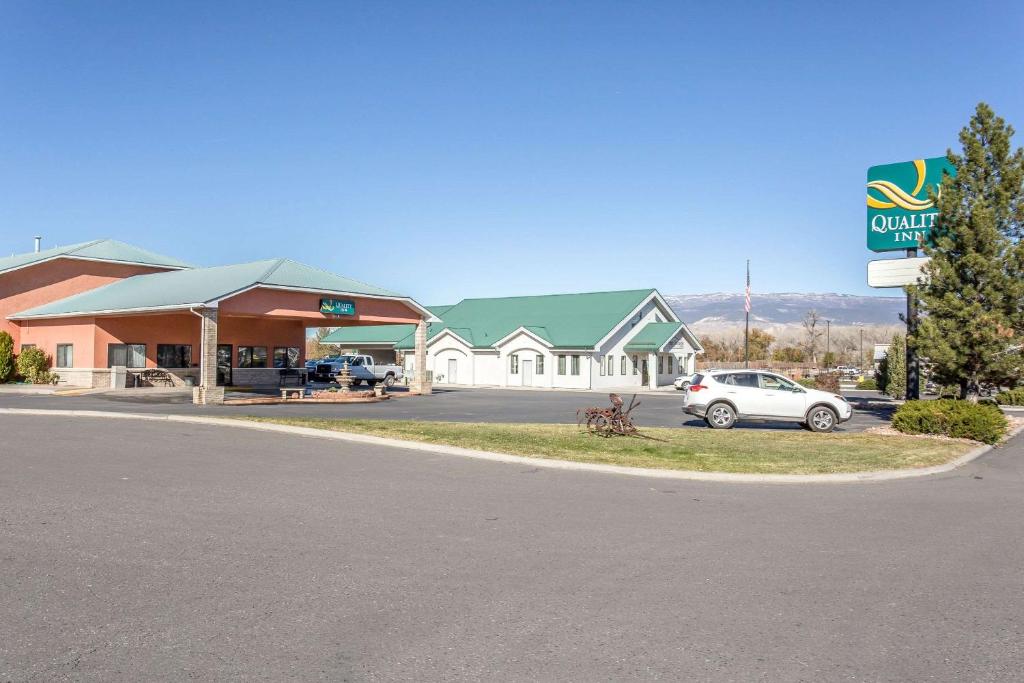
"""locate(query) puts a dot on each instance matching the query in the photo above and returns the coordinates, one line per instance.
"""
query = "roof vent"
(39, 241)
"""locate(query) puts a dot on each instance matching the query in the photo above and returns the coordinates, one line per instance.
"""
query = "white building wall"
(651, 312)
(490, 367)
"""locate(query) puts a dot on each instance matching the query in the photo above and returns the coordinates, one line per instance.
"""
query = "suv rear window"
(739, 379)
(697, 379)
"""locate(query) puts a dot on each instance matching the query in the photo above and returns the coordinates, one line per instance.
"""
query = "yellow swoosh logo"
(897, 196)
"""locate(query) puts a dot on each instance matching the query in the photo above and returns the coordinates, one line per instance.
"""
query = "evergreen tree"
(6, 356)
(892, 371)
(973, 301)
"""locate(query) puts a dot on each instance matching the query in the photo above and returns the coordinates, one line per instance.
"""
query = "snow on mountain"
(787, 309)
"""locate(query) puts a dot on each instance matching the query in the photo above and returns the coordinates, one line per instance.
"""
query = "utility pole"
(913, 369)
(828, 338)
(862, 347)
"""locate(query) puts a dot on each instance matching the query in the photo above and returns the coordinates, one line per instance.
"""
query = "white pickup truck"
(362, 368)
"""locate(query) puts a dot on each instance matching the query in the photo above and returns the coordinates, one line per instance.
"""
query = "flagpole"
(746, 326)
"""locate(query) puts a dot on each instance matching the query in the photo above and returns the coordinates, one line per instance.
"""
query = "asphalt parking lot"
(147, 551)
(445, 404)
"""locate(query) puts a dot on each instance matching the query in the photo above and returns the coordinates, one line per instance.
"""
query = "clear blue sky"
(481, 148)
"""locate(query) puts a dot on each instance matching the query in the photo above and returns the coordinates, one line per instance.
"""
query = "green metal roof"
(653, 337)
(184, 288)
(562, 320)
(357, 335)
(96, 250)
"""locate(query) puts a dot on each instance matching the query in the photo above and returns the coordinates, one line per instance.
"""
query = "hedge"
(867, 383)
(34, 366)
(1011, 397)
(957, 419)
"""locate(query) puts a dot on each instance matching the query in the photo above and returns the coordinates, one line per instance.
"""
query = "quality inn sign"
(900, 214)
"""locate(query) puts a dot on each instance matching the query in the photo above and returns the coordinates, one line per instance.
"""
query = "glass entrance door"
(224, 353)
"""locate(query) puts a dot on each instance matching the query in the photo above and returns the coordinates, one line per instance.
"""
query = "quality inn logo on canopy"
(900, 214)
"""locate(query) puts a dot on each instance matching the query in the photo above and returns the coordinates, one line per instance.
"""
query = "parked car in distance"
(362, 368)
(723, 398)
(848, 370)
(324, 369)
(682, 382)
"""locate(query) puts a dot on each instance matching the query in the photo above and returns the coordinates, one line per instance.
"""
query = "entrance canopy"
(243, 312)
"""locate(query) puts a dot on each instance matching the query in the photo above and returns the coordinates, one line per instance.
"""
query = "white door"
(527, 373)
(782, 398)
(453, 371)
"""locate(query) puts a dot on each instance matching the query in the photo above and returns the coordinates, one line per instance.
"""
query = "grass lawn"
(706, 450)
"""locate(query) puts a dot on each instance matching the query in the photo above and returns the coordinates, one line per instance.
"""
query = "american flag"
(746, 297)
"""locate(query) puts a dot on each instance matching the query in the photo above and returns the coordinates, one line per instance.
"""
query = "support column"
(652, 371)
(420, 384)
(208, 392)
(913, 368)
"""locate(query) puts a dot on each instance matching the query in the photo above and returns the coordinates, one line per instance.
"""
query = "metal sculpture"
(609, 421)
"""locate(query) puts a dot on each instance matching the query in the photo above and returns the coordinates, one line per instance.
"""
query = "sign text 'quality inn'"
(337, 307)
(900, 213)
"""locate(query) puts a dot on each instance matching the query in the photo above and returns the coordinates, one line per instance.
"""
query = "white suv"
(723, 397)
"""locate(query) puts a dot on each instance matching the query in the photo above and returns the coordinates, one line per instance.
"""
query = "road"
(150, 551)
(450, 404)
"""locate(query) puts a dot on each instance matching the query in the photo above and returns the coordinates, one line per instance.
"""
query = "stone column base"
(207, 395)
(421, 388)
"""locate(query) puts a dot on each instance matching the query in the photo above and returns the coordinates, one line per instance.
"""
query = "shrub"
(958, 419)
(807, 382)
(6, 356)
(1011, 397)
(867, 383)
(34, 366)
(827, 381)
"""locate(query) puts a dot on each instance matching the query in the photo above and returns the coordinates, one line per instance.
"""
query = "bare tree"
(812, 333)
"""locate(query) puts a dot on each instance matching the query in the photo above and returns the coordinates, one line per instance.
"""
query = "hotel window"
(611, 365)
(540, 364)
(668, 364)
(575, 365)
(600, 362)
(128, 355)
(514, 361)
(622, 370)
(661, 364)
(27, 346)
(65, 356)
(286, 356)
(561, 365)
(252, 356)
(174, 355)
(634, 364)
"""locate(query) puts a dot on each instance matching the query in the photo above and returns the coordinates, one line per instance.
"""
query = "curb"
(726, 477)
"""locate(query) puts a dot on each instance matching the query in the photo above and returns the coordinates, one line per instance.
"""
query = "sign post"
(901, 216)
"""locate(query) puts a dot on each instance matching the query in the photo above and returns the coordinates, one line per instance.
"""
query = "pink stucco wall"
(267, 318)
(306, 306)
(43, 283)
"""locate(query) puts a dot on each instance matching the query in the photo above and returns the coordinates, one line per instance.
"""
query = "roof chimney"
(39, 240)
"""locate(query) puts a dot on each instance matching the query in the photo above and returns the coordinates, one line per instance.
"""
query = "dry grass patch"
(704, 450)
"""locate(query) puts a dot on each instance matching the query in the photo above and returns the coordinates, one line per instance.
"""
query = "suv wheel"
(721, 416)
(821, 419)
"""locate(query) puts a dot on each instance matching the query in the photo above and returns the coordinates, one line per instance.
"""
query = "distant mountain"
(705, 312)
